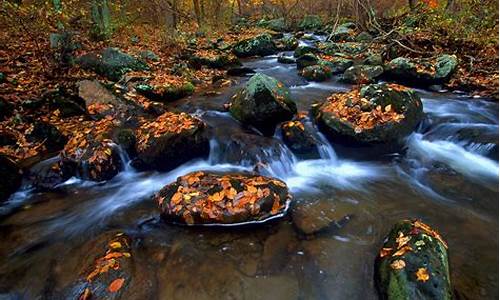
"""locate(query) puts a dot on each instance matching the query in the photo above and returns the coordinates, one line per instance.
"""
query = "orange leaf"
(116, 285)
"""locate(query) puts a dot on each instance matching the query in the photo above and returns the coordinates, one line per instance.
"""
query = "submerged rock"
(91, 154)
(422, 71)
(260, 45)
(376, 113)
(169, 141)
(11, 176)
(166, 92)
(319, 215)
(263, 103)
(111, 63)
(362, 74)
(209, 198)
(413, 264)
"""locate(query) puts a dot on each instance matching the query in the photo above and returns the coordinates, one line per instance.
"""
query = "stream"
(446, 175)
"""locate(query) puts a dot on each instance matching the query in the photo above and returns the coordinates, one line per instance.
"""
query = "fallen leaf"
(398, 264)
(422, 274)
(116, 285)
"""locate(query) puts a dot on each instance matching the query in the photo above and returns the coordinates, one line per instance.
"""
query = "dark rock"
(11, 176)
(3, 77)
(413, 264)
(301, 50)
(166, 93)
(311, 22)
(169, 141)
(263, 103)
(283, 59)
(46, 175)
(66, 101)
(306, 60)
(149, 55)
(289, 43)
(126, 139)
(111, 63)
(51, 137)
(422, 71)
(342, 34)
(6, 109)
(337, 64)
(299, 137)
(219, 61)
(210, 198)
(260, 45)
(349, 48)
(319, 215)
(240, 71)
(274, 24)
(362, 74)
(399, 109)
(316, 72)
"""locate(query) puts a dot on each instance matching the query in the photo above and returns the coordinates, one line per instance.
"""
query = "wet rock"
(93, 92)
(47, 175)
(301, 50)
(260, 45)
(362, 74)
(11, 176)
(316, 73)
(240, 71)
(377, 113)
(288, 43)
(337, 64)
(298, 136)
(149, 55)
(166, 93)
(311, 22)
(52, 138)
(263, 103)
(318, 215)
(283, 59)
(126, 139)
(210, 198)
(422, 71)
(306, 60)
(277, 246)
(91, 154)
(373, 59)
(111, 63)
(413, 264)
(169, 141)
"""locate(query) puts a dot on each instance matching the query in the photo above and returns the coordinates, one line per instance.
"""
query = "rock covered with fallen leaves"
(211, 198)
(422, 71)
(375, 113)
(11, 176)
(169, 141)
(298, 135)
(413, 264)
(91, 153)
(260, 45)
(263, 103)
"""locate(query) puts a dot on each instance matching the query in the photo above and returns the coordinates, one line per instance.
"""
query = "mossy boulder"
(422, 71)
(362, 74)
(169, 141)
(364, 37)
(214, 60)
(11, 176)
(260, 45)
(166, 93)
(212, 198)
(413, 264)
(263, 103)
(287, 43)
(111, 63)
(301, 50)
(338, 64)
(311, 22)
(278, 25)
(374, 114)
(342, 34)
(318, 72)
(306, 60)
(346, 48)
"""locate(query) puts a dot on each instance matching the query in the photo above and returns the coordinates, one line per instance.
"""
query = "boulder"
(301, 50)
(422, 71)
(306, 60)
(52, 138)
(46, 175)
(316, 72)
(311, 22)
(11, 176)
(278, 25)
(260, 45)
(169, 141)
(299, 137)
(91, 154)
(149, 55)
(93, 92)
(342, 34)
(283, 59)
(362, 74)
(210, 198)
(213, 60)
(111, 63)
(337, 64)
(347, 48)
(413, 264)
(167, 92)
(63, 99)
(376, 113)
(263, 103)
(288, 43)
(6, 109)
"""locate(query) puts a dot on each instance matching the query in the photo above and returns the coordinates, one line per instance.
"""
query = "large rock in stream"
(422, 71)
(260, 45)
(169, 141)
(376, 113)
(210, 198)
(11, 176)
(413, 264)
(263, 103)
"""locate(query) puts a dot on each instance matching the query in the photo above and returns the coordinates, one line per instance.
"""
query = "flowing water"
(447, 175)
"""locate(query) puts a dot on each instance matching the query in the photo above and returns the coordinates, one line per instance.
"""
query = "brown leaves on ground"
(213, 197)
(351, 107)
(167, 123)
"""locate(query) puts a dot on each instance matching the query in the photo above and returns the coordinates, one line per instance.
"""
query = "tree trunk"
(197, 12)
(101, 19)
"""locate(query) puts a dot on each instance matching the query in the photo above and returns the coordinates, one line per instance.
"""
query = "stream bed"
(447, 175)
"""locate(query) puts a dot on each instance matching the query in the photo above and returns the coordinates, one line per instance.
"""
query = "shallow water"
(447, 176)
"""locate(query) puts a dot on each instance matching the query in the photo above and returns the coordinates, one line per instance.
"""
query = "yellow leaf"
(398, 264)
(115, 245)
(422, 274)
